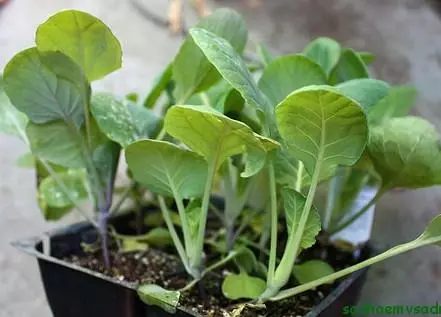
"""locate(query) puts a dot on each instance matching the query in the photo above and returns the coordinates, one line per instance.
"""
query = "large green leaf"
(159, 87)
(54, 142)
(123, 123)
(242, 286)
(350, 66)
(311, 270)
(12, 121)
(167, 169)
(396, 104)
(157, 296)
(217, 137)
(84, 38)
(46, 87)
(294, 203)
(192, 72)
(322, 128)
(289, 73)
(231, 66)
(74, 181)
(406, 152)
(367, 92)
(325, 52)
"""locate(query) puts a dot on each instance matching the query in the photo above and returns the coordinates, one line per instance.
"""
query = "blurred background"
(405, 35)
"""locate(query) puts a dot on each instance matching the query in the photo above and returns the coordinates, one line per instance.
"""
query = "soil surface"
(164, 269)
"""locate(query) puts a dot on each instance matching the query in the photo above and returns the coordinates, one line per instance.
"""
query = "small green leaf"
(84, 38)
(123, 123)
(167, 169)
(432, 232)
(159, 237)
(131, 245)
(246, 260)
(12, 121)
(289, 73)
(311, 270)
(366, 57)
(155, 295)
(242, 286)
(322, 128)
(325, 52)
(266, 57)
(231, 66)
(54, 142)
(406, 153)
(350, 66)
(46, 87)
(367, 92)
(192, 72)
(159, 87)
(75, 181)
(294, 203)
(227, 137)
(52, 213)
(396, 104)
(26, 160)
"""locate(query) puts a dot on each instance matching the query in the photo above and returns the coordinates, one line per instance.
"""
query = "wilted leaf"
(157, 296)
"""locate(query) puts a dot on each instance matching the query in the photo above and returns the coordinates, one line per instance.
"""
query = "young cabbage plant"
(50, 85)
(184, 174)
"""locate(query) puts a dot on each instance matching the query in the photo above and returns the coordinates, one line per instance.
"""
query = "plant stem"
(183, 217)
(171, 228)
(274, 223)
(103, 215)
(329, 278)
(292, 248)
(330, 201)
(196, 261)
(353, 218)
(222, 262)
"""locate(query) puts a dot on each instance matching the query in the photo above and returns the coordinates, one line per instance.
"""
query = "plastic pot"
(74, 291)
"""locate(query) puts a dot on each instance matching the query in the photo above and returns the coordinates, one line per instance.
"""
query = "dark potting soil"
(157, 267)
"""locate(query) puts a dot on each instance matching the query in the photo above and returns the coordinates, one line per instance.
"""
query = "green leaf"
(192, 72)
(84, 38)
(432, 233)
(325, 52)
(159, 237)
(131, 245)
(289, 73)
(350, 66)
(26, 160)
(397, 103)
(227, 137)
(264, 53)
(367, 92)
(165, 168)
(54, 142)
(322, 128)
(123, 123)
(75, 181)
(406, 153)
(242, 286)
(12, 121)
(246, 260)
(231, 66)
(311, 270)
(155, 295)
(294, 203)
(366, 57)
(159, 87)
(46, 87)
(349, 181)
(52, 213)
